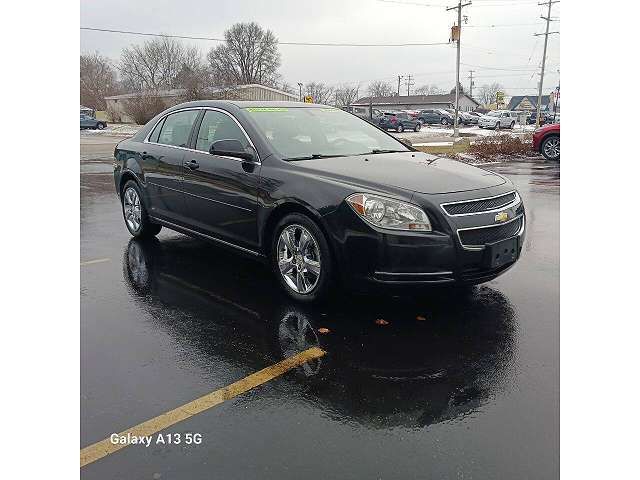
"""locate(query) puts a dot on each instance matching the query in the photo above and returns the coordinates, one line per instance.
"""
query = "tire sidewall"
(400, 128)
(542, 149)
(326, 271)
(417, 127)
(147, 229)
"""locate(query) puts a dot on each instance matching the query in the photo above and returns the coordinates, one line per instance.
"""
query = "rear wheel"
(301, 258)
(512, 126)
(100, 126)
(550, 148)
(497, 127)
(417, 127)
(135, 213)
(400, 129)
(444, 121)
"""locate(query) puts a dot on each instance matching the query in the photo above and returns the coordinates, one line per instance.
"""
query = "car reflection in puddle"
(442, 355)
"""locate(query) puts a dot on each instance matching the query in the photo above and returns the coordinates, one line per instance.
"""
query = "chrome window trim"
(146, 140)
(513, 203)
(482, 247)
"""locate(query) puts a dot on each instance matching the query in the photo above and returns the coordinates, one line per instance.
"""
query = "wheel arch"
(285, 208)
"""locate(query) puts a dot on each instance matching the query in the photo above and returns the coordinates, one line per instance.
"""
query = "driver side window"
(217, 126)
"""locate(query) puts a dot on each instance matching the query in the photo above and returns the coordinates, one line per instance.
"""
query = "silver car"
(498, 119)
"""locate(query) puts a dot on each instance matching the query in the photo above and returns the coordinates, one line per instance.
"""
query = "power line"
(310, 44)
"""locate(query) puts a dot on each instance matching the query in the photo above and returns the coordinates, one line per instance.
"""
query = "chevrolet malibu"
(319, 194)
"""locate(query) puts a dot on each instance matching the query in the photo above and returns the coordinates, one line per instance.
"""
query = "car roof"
(250, 104)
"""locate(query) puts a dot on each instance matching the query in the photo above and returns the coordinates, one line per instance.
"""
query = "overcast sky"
(507, 53)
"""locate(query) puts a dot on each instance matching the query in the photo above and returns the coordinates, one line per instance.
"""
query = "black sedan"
(319, 194)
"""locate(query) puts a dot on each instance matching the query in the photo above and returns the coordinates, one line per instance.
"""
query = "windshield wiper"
(312, 157)
(379, 150)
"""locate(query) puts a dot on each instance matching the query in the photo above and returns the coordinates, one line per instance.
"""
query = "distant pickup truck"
(89, 122)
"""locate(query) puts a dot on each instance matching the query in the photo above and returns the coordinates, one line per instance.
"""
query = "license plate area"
(501, 253)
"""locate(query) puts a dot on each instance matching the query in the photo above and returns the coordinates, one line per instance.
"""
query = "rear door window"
(176, 128)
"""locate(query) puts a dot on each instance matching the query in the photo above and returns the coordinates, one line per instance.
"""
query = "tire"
(550, 147)
(303, 285)
(400, 128)
(134, 212)
(444, 121)
(417, 127)
(100, 126)
(497, 127)
(512, 126)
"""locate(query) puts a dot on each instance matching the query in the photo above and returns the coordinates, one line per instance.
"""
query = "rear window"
(176, 128)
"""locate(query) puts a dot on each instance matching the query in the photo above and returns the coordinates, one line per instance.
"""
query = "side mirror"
(233, 148)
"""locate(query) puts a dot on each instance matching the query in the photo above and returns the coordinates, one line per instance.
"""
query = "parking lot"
(448, 386)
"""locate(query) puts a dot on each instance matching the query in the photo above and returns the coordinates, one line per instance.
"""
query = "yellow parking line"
(91, 262)
(105, 447)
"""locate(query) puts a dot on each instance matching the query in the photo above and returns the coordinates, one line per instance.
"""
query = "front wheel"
(444, 121)
(512, 126)
(301, 258)
(135, 213)
(551, 148)
(100, 126)
(400, 129)
(497, 127)
(417, 127)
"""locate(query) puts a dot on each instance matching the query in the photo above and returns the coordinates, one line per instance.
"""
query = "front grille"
(481, 236)
(479, 206)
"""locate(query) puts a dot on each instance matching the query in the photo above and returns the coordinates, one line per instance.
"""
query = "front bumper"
(367, 256)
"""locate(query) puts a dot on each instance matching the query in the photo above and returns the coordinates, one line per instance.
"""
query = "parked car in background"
(319, 195)
(474, 117)
(546, 140)
(498, 119)
(435, 116)
(399, 121)
(412, 113)
(545, 118)
(463, 118)
(89, 122)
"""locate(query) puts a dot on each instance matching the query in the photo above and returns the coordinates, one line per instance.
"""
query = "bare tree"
(487, 93)
(320, 92)
(460, 89)
(196, 82)
(249, 55)
(157, 64)
(345, 95)
(380, 89)
(97, 80)
(143, 107)
(429, 90)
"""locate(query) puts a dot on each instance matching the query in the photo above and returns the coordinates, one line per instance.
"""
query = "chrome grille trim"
(481, 247)
(510, 204)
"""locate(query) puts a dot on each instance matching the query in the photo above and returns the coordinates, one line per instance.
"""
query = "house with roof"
(528, 103)
(414, 102)
(254, 91)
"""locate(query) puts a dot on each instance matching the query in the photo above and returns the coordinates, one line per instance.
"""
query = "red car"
(546, 140)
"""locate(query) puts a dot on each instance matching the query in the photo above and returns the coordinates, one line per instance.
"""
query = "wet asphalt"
(455, 386)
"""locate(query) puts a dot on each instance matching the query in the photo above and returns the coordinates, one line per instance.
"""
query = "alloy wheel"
(132, 209)
(299, 259)
(552, 148)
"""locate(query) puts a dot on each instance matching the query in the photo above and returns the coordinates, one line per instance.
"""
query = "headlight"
(387, 213)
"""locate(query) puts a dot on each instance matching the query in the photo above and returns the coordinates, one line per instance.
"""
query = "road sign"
(308, 99)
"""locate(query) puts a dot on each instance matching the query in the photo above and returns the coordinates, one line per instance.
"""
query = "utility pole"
(459, 7)
(471, 83)
(400, 77)
(300, 87)
(408, 83)
(544, 54)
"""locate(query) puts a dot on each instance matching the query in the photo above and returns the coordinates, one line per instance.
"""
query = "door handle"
(193, 165)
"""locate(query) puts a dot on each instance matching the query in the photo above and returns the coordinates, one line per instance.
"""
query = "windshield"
(303, 132)
(493, 114)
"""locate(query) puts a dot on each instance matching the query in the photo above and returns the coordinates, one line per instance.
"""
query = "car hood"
(415, 171)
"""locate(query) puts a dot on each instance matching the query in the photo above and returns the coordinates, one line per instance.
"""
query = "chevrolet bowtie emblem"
(501, 217)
